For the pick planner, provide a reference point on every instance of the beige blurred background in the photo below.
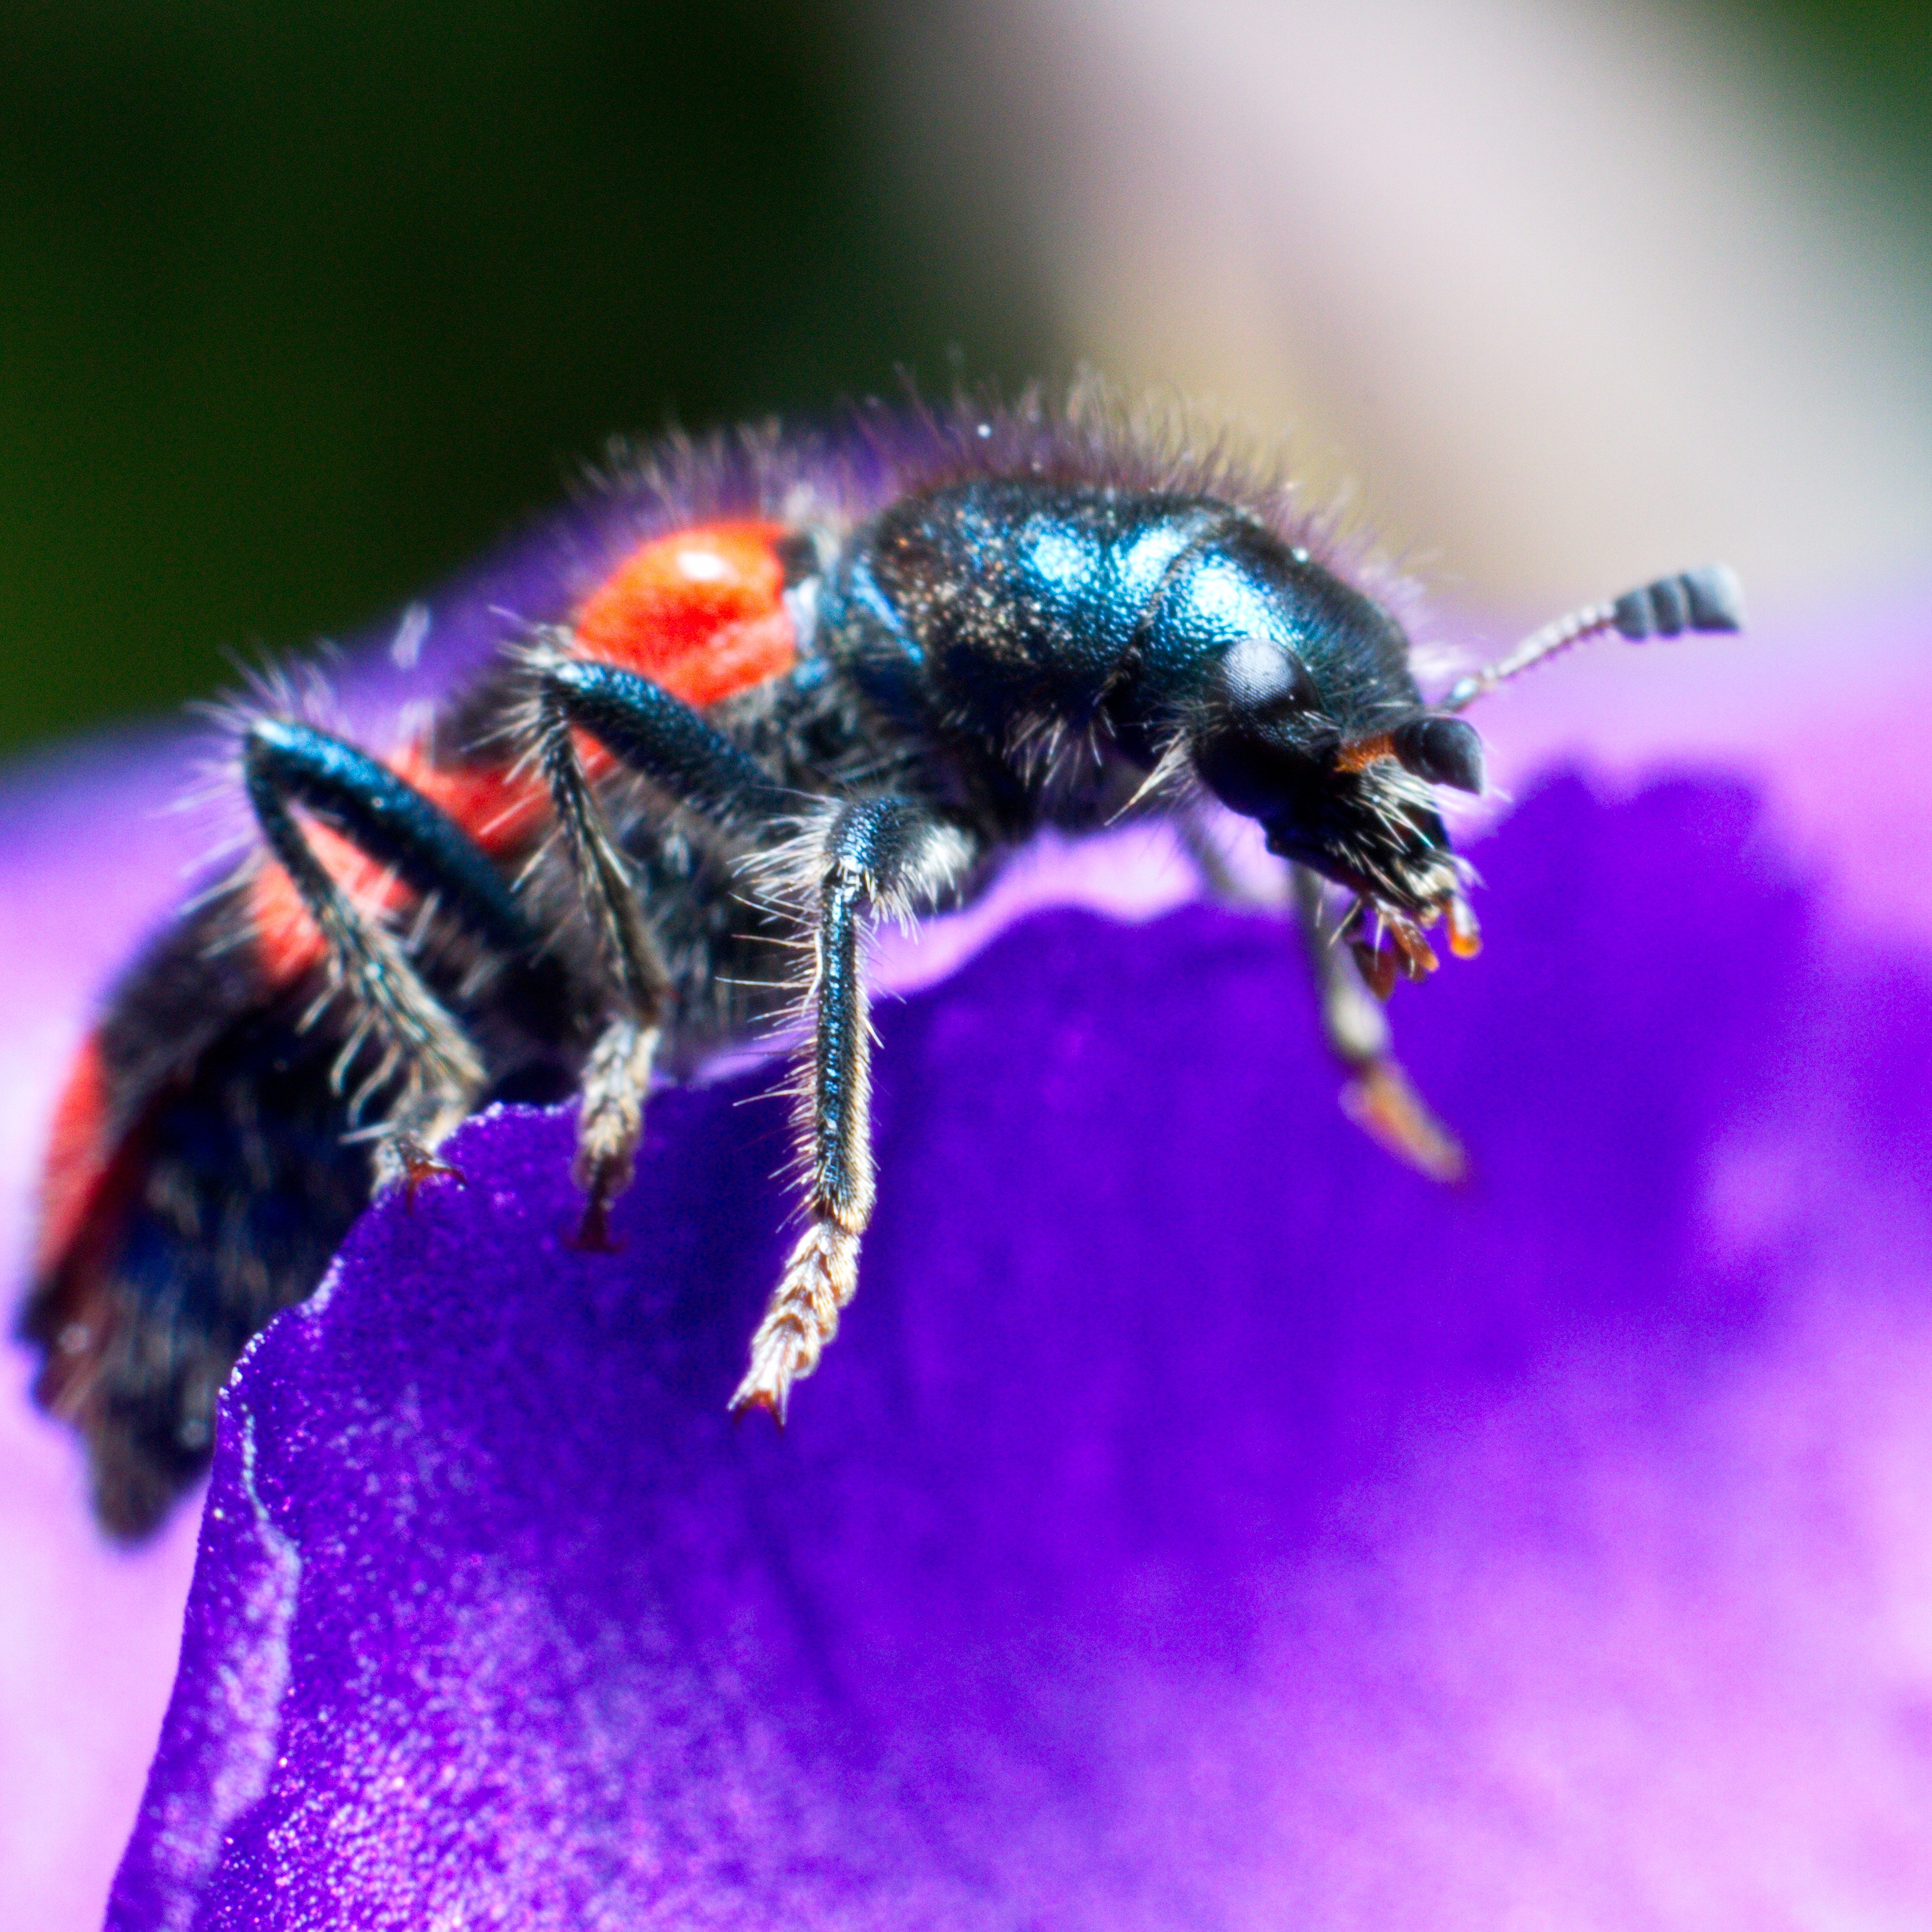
(1572, 292)
(1564, 295)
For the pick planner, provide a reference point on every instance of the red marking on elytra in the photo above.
(79, 1157)
(500, 807)
(85, 1184)
(700, 612)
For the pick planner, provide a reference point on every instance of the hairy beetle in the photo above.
(760, 691)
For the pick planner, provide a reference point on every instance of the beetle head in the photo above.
(1309, 721)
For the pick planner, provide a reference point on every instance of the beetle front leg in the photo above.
(1379, 1097)
(896, 857)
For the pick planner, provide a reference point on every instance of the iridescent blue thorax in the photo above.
(996, 608)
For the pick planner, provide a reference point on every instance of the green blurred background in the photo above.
(300, 307)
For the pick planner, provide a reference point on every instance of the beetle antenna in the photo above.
(1708, 599)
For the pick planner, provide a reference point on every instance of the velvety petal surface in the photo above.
(1198, 1521)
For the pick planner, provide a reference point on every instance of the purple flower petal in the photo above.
(88, 1635)
(1199, 1521)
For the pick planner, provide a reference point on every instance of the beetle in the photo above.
(758, 692)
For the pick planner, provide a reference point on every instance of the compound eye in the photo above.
(1444, 750)
(1265, 681)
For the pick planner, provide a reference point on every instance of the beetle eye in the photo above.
(1262, 680)
(1444, 751)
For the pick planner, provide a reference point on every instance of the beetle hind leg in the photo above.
(387, 821)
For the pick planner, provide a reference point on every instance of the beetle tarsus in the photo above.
(1381, 1101)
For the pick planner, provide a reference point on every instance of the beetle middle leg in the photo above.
(652, 732)
(887, 855)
